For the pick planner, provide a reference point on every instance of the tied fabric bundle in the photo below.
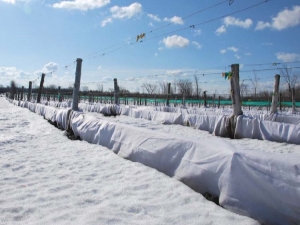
(227, 75)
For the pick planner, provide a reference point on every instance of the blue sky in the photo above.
(182, 38)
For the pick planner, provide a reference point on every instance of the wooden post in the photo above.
(116, 91)
(280, 99)
(214, 100)
(205, 100)
(293, 100)
(59, 95)
(22, 92)
(275, 94)
(219, 101)
(40, 89)
(29, 91)
(235, 90)
(168, 95)
(77, 84)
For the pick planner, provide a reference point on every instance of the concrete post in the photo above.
(77, 84)
(275, 94)
(235, 90)
(116, 91)
(29, 91)
(168, 95)
(40, 89)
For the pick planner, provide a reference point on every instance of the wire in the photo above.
(188, 27)
(192, 14)
(151, 31)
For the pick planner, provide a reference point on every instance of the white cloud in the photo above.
(174, 72)
(196, 44)
(268, 43)
(154, 17)
(126, 11)
(237, 56)
(13, 73)
(9, 1)
(220, 30)
(232, 21)
(130, 79)
(175, 20)
(99, 67)
(155, 54)
(287, 57)
(107, 79)
(175, 41)
(106, 21)
(48, 68)
(248, 53)
(151, 24)
(262, 25)
(83, 5)
(284, 19)
(234, 49)
(197, 32)
(223, 51)
(160, 48)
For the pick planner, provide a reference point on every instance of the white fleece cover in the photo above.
(263, 186)
(48, 179)
(259, 185)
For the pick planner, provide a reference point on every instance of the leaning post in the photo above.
(77, 85)
(235, 90)
(41, 88)
(274, 107)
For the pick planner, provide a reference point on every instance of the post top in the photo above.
(79, 59)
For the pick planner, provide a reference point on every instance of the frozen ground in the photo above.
(48, 179)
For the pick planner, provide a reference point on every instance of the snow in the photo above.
(48, 179)
(251, 177)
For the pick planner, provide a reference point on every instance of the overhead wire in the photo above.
(187, 27)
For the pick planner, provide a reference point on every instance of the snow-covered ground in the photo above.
(252, 177)
(47, 179)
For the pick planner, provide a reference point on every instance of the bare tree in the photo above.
(255, 82)
(291, 78)
(185, 86)
(100, 87)
(244, 89)
(197, 88)
(175, 86)
(150, 88)
(163, 87)
(123, 90)
(84, 88)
